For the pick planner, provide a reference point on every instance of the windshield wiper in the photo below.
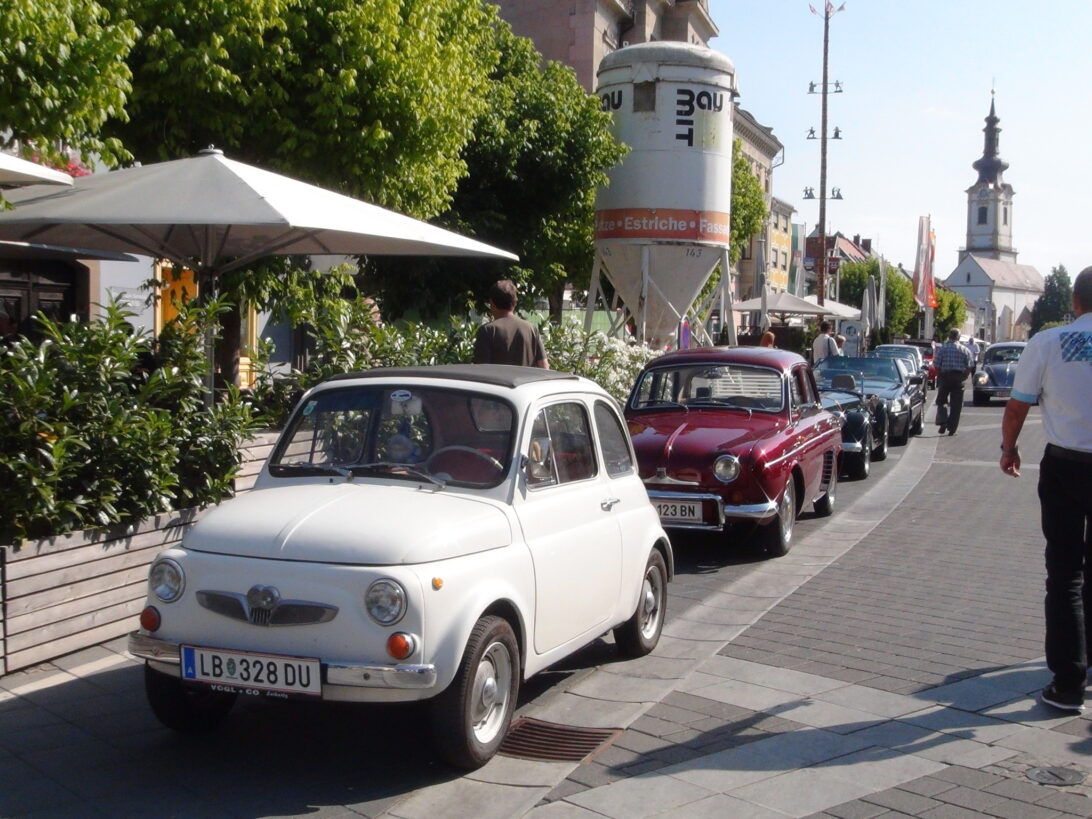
(396, 470)
(323, 469)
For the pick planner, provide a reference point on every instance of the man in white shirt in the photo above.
(824, 345)
(1055, 369)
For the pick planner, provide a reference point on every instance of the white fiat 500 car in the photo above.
(435, 533)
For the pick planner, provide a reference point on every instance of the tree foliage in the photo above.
(950, 312)
(748, 204)
(1056, 301)
(375, 100)
(539, 152)
(62, 74)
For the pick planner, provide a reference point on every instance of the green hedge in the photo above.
(94, 432)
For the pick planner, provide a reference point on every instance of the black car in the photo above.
(864, 431)
(891, 381)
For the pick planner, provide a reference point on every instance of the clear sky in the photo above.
(917, 76)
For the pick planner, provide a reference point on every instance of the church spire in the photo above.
(990, 166)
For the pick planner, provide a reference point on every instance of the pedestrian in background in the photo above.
(972, 346)
(824, 345)
(1055, 370)
(954, 364)
(508, 339)
(768, 339)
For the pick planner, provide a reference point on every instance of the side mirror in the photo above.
(917, 379)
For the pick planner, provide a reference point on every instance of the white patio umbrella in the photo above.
(781, 304)
(16, 171)
(835, 309)
(213, 215)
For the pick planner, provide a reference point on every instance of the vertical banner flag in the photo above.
(925, 292)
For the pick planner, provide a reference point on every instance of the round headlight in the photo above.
(385, 601)
(726, 468)
(166, 580)
(981, 378)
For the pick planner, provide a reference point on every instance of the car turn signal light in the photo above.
(400, 645)
(150, 619)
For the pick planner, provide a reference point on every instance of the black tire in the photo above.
(640, 633)
(980, 399)
(776, 537)
(184, 708)
(824, 505)
(860, 464)
(879, 453)
(904, 438)
(472, 715)
(918, 426)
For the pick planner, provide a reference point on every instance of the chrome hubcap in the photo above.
(489, 695)
(650, 603)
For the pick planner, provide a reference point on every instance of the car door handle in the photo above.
(608, 504)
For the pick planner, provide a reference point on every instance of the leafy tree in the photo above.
(1056, 301)
(540, 150)
(375, 99)
(748, 204)
(951, 311)
(900, 308)
(853, 280)
(62, 74)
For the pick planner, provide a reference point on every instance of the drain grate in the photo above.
(535, 739)
(1055, 775)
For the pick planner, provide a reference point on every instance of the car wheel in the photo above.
(824, 505)
(919, 425)
(472, 715)
(902, 438)
(184, 708)
(880, 452)
(641, 632)
(777, 535)
(981, 399)
(861, 465)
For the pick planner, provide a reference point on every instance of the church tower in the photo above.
(989, 203)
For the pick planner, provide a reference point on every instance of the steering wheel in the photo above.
(742, 401)
(469, 450)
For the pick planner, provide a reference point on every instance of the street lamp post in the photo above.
(828, 12)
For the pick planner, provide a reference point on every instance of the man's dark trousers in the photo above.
(1065, 496)
(950, 392)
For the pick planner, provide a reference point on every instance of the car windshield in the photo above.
(874, 371)
(1002, 355)
(413, 433)
(734, 386)
(896, 352)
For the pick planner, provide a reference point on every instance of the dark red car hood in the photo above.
(677, 438)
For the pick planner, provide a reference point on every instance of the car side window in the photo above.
(613, 441)
(561, 446)
(797, 390)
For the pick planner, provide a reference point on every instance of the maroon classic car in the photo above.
(730, 434)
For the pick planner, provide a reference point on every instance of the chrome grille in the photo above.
(284, 613)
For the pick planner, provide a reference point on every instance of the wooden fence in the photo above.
(73, 591)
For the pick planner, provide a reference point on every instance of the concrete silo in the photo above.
(662, 224)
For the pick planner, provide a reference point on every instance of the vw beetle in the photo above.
(435, 533)
(995, 378)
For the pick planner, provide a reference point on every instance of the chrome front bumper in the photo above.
(404, 676)
(852, 446)
(724, 511)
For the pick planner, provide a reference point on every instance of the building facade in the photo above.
(579, 33)
(762, 150)
(1000, 292)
